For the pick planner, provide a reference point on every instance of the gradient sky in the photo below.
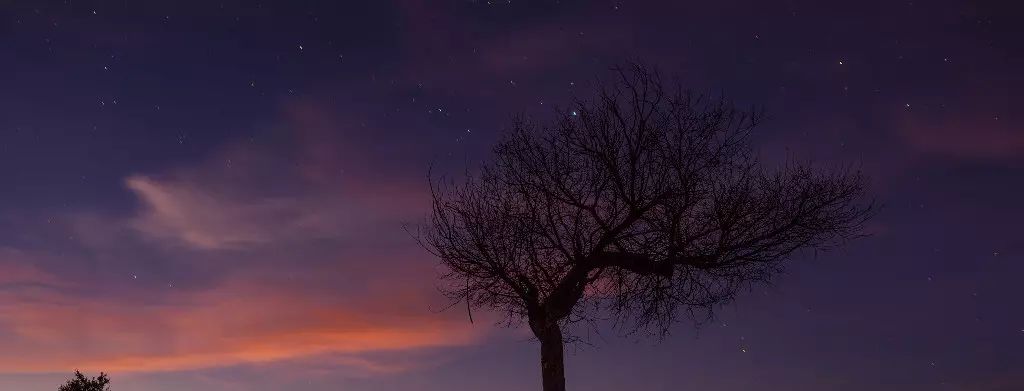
(208, 195)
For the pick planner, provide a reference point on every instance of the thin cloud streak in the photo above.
(237, 323)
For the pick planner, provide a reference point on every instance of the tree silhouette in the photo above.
(640, 205)
(82, 383)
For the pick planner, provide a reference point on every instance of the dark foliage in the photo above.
(82, 383)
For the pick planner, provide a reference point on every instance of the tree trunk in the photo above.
(552, 360)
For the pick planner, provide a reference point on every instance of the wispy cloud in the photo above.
(320, 189)
(203, 218)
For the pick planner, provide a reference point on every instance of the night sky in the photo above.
(209, 195)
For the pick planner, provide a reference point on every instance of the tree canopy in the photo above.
(82, 383)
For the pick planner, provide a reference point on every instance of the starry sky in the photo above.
(209, 195)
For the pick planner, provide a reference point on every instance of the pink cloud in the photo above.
(518, 54)
(964, 136)
(543, 47)
(239, 322)
(979, 121)
(17, 267)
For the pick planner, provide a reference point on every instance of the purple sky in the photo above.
(208, 195)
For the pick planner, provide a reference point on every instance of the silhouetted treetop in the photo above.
(82, 383)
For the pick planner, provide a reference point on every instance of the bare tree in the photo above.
(640, 205)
